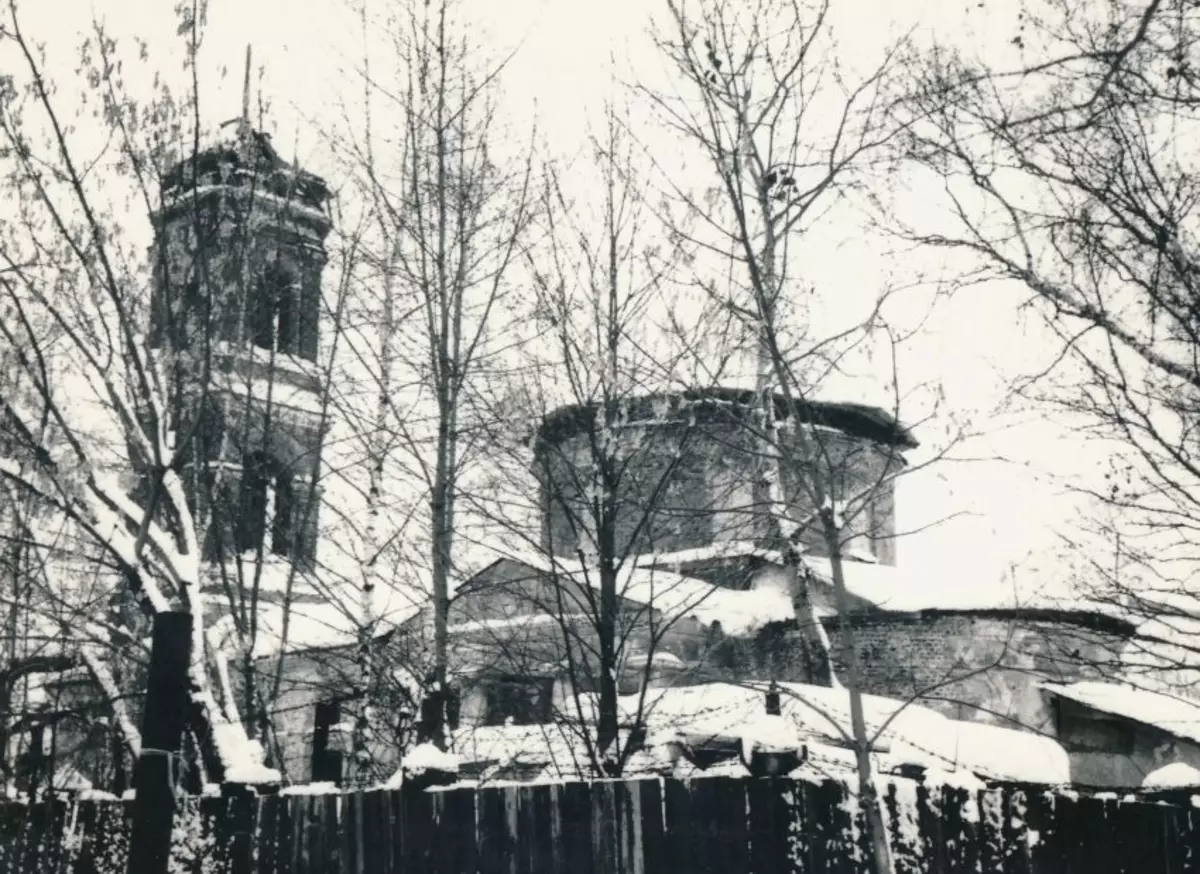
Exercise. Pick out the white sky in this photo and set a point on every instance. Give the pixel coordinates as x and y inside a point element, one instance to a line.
<point>308,50</point>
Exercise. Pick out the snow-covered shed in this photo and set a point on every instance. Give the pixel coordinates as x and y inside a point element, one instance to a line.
<point>1117,733</point>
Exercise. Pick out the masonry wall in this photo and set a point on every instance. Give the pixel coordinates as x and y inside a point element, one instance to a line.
<point>979,665</point>
<point>690,476</point>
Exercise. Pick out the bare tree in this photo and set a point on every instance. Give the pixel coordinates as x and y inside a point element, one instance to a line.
<point>610,472</point>
<point>451,212</point>
<point>1064,171</point>
<point>787,132</point>
<point>114,433</point>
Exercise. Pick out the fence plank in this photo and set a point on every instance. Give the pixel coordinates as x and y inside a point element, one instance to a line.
<point>771,802</point>
<point>267,842</point>
<point>575,826</point>
<point>495,840</point>
<point>647,826</point>
<point>456,845</point>
<point>677,819</point>
<point>654,847</point>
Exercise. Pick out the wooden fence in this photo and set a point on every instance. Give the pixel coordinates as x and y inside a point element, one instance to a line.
<point>725,825</point>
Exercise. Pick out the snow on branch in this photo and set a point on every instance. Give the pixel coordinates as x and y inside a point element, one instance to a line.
<point>104,678</point>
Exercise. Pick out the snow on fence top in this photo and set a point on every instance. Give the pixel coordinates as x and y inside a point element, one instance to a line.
<point>1170,713</point>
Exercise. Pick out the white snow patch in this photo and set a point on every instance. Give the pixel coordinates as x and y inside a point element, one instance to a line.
<point>320,788</point>
<point>96,795</point>
<point>1172,776</point>
<point>241,756</point>
<point>315,626</point>
<point>426,756</point>
<point>673,595</point>
<point>821,714</point>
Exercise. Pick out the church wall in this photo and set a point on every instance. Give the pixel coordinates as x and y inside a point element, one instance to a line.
<point>695,479</point>
<point>982,666</point>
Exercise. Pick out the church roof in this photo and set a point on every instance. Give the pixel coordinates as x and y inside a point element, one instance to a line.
<point>858,420</point>
<point>235,160</point>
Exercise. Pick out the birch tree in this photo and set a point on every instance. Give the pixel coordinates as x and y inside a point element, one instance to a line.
<point>453,208</point>
<point>1064,172</point>
<point>787,132</point>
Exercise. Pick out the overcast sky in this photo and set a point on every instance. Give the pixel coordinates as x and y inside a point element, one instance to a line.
<point>305,56</point>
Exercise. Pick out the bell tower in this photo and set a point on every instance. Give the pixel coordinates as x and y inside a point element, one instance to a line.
<point>235,313</point>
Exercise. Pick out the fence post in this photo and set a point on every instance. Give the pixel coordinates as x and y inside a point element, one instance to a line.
<point>162,734</point>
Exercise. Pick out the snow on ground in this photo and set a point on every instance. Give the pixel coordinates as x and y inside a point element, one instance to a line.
<point>1170,713</point>
<point>1172,776</point>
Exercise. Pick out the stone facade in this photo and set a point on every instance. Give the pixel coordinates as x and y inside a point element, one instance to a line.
<point>238,260</point>
<point>980,665</point>
<point>686,473</point>
<point>1108,751</point>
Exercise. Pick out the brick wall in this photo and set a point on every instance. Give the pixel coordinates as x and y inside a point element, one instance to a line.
<point>685,481</point>
<point>979,665</point>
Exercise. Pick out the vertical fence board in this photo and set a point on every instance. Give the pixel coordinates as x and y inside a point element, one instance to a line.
<point>456,844</point>
<point>1044,852</point>
<point>368,855</point>
<point>720,804</point>
<point>575,824</point>
<point>494,851</point>
<point>267,844</point>
<point>605,850</point>
<point>772,814</point>
<point>654,846</point>
<point>677,822</point>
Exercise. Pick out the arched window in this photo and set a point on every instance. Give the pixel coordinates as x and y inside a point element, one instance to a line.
<point>268,498</point>
<point>251,523</point>
<point>273,315</point>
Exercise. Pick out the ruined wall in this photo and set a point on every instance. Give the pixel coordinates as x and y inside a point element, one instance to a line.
<point>980,665</point>
<point>688,477</point>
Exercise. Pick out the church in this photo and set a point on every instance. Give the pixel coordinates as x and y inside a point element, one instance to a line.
<point>716,629</point>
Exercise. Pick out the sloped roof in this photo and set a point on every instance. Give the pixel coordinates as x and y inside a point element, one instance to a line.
<point>673,595</point>
<point>1169,713</point>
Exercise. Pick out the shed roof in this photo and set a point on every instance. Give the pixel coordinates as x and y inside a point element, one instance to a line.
<point>1169,713</point>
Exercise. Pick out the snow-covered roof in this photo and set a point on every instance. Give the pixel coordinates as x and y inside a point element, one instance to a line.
<point>908,590</point>
<point>822,714</point>
<point>674,595</point>
<point>316,625</point>
<point>887,587</point>
<point>1170,713</point>
<point>818,717</point>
